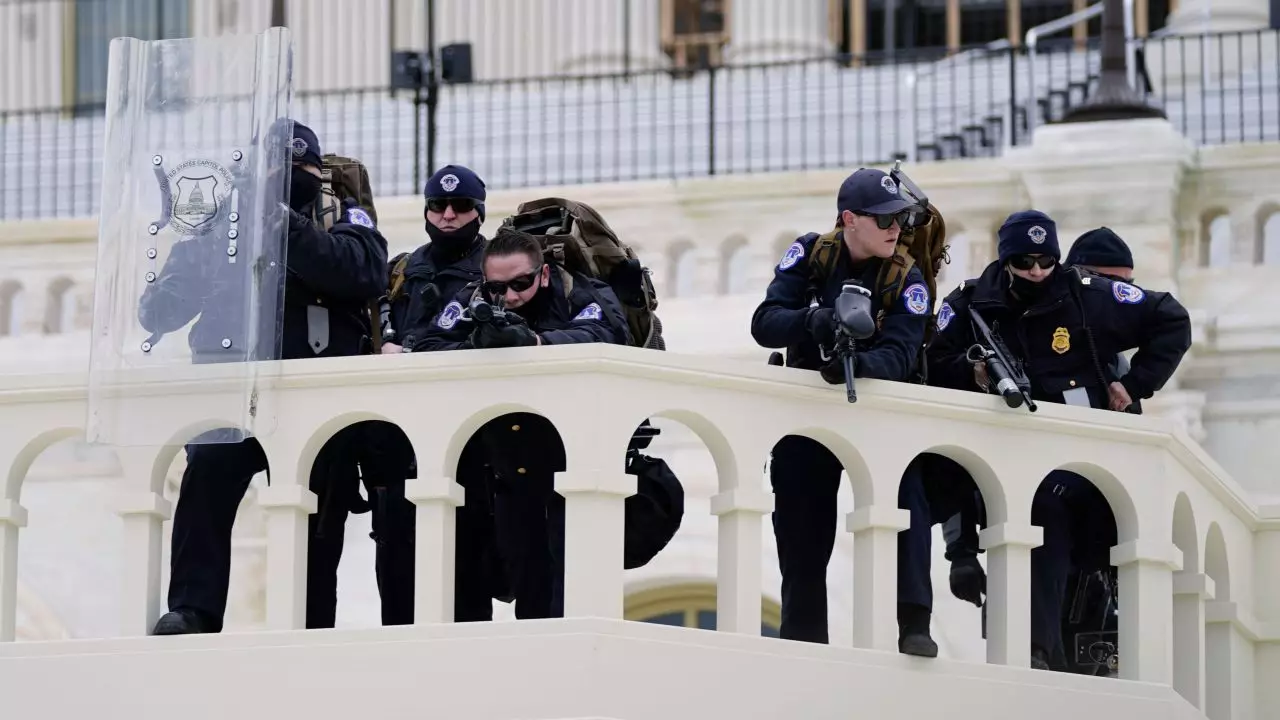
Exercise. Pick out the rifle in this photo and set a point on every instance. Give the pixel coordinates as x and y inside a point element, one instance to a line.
<point>1010,378</point>
<point>853,322</point>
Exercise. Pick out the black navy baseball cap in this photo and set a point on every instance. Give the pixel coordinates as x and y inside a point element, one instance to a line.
<point>870,192</point>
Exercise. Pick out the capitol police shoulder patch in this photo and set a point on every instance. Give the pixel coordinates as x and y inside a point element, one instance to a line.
<point>916,298</point>
<point>590,312</point>
<point>1127,294</point>
<point>356,216</point>
<point>450,315</point>
<point>792,256</point>
<point>945,315</point>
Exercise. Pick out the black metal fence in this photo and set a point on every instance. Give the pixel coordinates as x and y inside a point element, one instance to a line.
<point>624,114</point>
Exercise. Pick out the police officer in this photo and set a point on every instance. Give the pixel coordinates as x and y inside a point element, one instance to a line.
<point>797,314</point>
<point>1059,323</point>
<point>532,307</point>
<point>454,210</point>
<point>331,278</point>
<point>1102,252</point>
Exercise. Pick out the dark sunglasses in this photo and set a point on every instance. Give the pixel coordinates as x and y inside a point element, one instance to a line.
<point>1026,262</point>
<point>460,205</point>
<point>884,222</point>
<point>519,283</point>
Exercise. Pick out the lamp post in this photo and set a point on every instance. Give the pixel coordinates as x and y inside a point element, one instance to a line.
<point>1114,98</point>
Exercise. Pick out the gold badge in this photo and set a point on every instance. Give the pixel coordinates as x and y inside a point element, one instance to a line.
<point>1061,341</point>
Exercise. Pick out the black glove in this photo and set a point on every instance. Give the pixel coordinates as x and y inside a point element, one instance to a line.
<point>968,581</point>
<point>516,334</point>
<point>821,324</point>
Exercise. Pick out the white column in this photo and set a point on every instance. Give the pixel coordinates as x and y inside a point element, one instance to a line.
<point>143,514</point>
<point>594,505</point>
<point>875,531</point>
<point>13,517</point>
<point>287,506</point>
<point>1146,615</point>
<point>739,581</point>
<point>770,31</point>
<point>437,501</point>
<point>1009,549</point>
<point>1190,591</point>
<point>1194,17</point>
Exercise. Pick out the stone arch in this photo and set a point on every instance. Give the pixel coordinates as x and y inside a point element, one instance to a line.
<point>712,437</point>
<point>993,493</point>
<point>733,261</point>
<point>321,434</point>
<point>17,472</point>
<point>60,306</point>
<point>1216,563</point>
<point>1215,246</point>
<point>177,443</point>
<point>1184,533</point>
<point>468,427</point>
<point>681,274</point>
<point>855,466</point>
<point>1117,495</point>
<point>10,308</point>
<point>1266,249</point>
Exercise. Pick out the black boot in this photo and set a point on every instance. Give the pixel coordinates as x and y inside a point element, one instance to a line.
<point>1039,658</point>
<point>183,621</point>
<point>913,631</point>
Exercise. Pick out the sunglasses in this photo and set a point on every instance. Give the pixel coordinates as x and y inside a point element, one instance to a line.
<point>1026,262</point>
<point>519,283</point>
<point>884,222</point>
<point>460,205</point>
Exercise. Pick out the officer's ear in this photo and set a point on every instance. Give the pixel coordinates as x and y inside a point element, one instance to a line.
<point>545,278</point>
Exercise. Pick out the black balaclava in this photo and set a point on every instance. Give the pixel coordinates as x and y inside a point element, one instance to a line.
<point>455,181</point>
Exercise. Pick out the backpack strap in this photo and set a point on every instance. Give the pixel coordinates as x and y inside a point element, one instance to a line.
<point>825,254</point>
<point>395,281</point>
<point>894,271</point>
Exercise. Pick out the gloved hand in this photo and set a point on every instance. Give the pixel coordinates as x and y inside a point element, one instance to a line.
<point>821,324</point>
<point>968,580</point>
<point>515,334</point>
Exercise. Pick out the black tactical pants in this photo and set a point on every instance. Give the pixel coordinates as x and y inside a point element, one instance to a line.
<point>933,489</point>
<point>805,477</point>
<point>213,485</point>
<point>1079,530</point>
<point>385,461</point>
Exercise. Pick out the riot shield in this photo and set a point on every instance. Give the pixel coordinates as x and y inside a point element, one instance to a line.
<point>189,289</point>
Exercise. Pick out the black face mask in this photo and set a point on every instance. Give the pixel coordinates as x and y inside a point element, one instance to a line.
<point>452,243</point>
<point>1028,291</point>
<point>304,188</point>
<point>533,310</point>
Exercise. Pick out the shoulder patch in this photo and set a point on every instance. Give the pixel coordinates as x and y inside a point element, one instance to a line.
<point>916,298</point>
<point>449,316</point>
<point>1127,294</point>
<point>590,312</point>
<point>356,216</point>
<point>791,256</point>
<point>945,316</point>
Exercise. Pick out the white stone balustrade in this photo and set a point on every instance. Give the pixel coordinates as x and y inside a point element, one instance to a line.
<point>1172,503</point>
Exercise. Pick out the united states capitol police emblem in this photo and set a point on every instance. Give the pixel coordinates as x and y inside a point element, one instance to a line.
<point>1127,294</point>
<point>1061,341</point>
<point>916,298</point>
<point>887,183</point>
<point>449,182</point>
<point>945,315</point>
<point>791,256</point>
<point>1037,235</point>
<point>590,312</point>
<point>196,189</point>
<point>450,315</point>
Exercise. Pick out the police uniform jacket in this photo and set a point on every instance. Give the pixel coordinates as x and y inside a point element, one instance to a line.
<point>589,312</point>
<point>1051,339</point>
<point>330,279</point>
<point>780,321</point>
<point>429,282</point>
